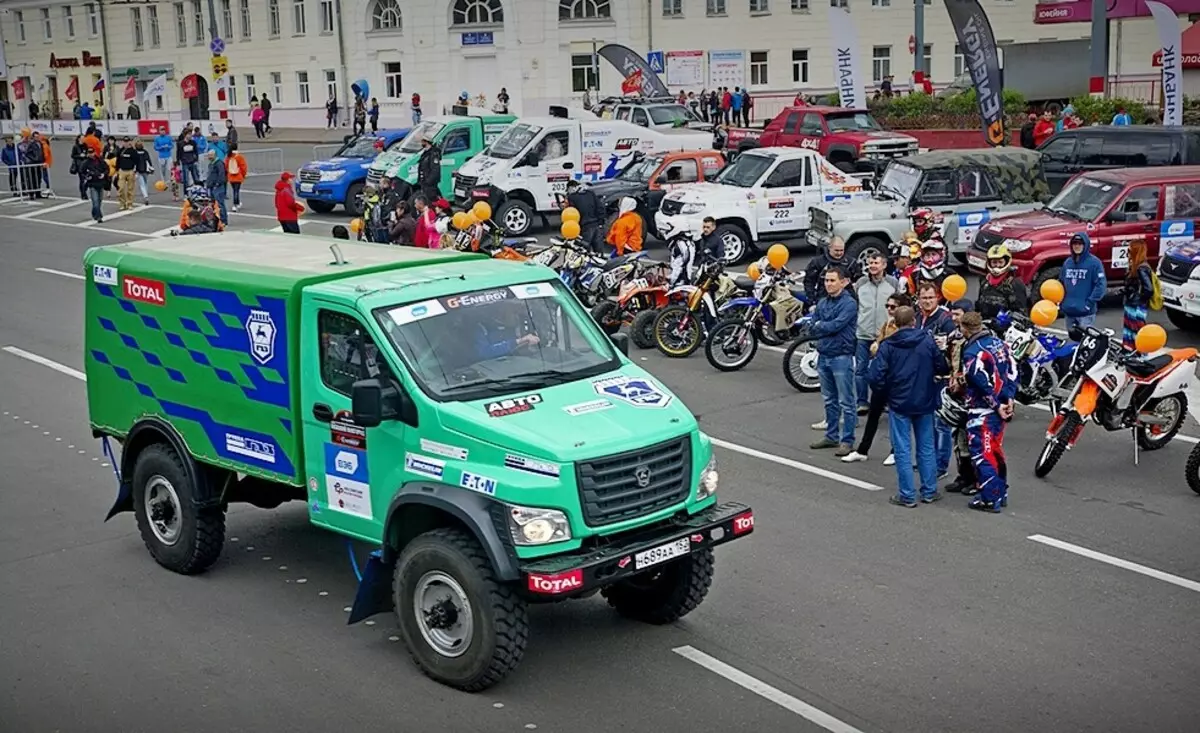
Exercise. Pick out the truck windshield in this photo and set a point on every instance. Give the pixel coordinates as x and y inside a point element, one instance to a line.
<point>745,170</point>
<point>670,114</point>
<point>851,121</point>
<point>899,181</point>
<point>513,141</point>
<point>1084,198</point>
<point>496,341</point>
<point>427,129</point>
<point>362,146</point>
<point>640,171</point>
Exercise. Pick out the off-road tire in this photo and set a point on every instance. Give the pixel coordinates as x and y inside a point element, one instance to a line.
<point>711,345</point>
<point>1164,438</point>
<point>354,199</point>
<point>747,246</point>
<point>605,315</point>
<point>500,616</point>
<point>321,207</point>
<point>1192,470</point>
<point>641,331</point>
<point>499,216</point>
<point>695,328</point>
<point>202,531</point>
<point>790,376</point>
<point>1056,446</point>
<point>664,595</point>
<point>859,246</point>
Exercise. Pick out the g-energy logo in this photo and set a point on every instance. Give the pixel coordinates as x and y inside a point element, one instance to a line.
<point>978,61</point>
<point>469,300</point>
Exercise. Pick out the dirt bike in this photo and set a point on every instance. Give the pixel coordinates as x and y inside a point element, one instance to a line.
<point>576,265</point>
<point>776,306</point>
<point>495,244</point>
<point>681,327</point>
<point>1043,360</point>
<point>636,306</point>
<point>1120,390</point>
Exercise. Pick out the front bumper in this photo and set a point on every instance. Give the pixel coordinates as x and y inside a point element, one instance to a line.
<point>576,573</point>
<point>678,222</point>
<point>321,192</point>
<point>1184,297</point>
<point>817,239</point>
<point>467,196</point>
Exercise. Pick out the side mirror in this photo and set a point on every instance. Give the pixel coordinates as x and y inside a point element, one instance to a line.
<point>366,403</point>
<point>621,341</point>
<point>1116,216</point>
<point>529,161</point>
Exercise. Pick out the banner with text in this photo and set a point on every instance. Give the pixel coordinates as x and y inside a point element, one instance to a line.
<point>847,59</point>
<point>1170,37</point>
<point>978,43</point>
<point>634,68</point>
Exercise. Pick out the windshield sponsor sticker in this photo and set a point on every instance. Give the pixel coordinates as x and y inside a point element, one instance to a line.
<point>104,275</point>
<point>416,312</point>
<point>512,405</point>
<point>476,299</point>
<point>424,465</point>
<point>142,290</point>
<point>442,449</point>
<point>584,408</point>
<point>261,330</point>
<point>531,465</point>
<point>475,482</point>
<point>636,391</point>
<point>533,290</point>
<point>250,448</point>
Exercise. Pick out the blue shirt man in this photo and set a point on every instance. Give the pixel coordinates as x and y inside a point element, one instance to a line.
<point>835,321</point>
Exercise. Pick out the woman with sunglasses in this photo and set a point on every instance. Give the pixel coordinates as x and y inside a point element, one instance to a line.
<point>878,397</point>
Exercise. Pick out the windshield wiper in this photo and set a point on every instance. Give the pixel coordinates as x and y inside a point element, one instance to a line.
<point>476,383</point>
<point>547,375</point>
<point>1065,212</point>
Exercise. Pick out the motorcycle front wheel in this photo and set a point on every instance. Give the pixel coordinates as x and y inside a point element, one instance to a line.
<point>677,332</point>
<point>1192,470</point>
<point>1056,445</point>
<point>607,315</point>
<point>731,345</point>
<point>800,366</point>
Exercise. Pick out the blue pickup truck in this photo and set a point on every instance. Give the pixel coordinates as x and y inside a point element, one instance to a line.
<point>323,184</point>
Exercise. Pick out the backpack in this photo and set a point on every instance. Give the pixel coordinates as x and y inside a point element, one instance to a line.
<point>1156,296</point>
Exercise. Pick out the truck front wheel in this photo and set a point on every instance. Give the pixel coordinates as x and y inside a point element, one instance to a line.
<point>179,535</point>
<point>735,242</point>
<point>666,594</point>
<point>515,216</point>
<point>462,627</point>
<point>354,199</point>
<point>321,207</point>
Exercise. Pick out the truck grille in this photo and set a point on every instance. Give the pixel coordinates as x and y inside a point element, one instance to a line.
<point>821,223</point>
<point>636,483</point>
<point>373,177</point>
<point>986,240</point>
<point>884,151</point>
<point>1175,271</point>
<point>309,176</point>
<point>462,188</point>
<point>670,208</point>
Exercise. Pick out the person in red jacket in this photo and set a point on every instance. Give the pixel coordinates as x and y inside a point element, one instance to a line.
<point>287,209</point>
<point>1043,129</point>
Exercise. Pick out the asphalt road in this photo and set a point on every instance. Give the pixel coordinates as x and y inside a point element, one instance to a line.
<point>841,613</point>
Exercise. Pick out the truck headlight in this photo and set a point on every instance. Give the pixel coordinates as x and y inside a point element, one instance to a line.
<point>1195,274</point>
<point>332,175</point>
<point>1018,245</point>
<point>708,480</point>
<point>691,208</point>
<point>536,526</point>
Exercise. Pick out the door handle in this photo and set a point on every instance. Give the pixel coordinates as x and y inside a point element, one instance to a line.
<point>323,412</point>
<point>568,165</point>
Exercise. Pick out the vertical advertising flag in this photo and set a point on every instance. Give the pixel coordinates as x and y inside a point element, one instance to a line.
<point>157,87</point>
<point>18,89</point>
<point>72,92</point>
<point>978,43</point>
<point>847,59</point>
<point>630,64</point>
<point>1171,39</point>
<point>131,89</point>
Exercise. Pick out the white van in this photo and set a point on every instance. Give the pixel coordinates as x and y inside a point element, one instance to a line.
<point>525,171</point>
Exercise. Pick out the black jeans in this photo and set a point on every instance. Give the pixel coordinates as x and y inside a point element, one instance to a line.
<point>290,227</point>
<point>874,412</point>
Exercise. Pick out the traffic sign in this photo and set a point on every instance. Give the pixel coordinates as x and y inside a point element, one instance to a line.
<point>217,46</point>
<point>655,59</point>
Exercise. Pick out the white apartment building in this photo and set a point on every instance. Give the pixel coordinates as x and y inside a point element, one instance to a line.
<point>299,52</point>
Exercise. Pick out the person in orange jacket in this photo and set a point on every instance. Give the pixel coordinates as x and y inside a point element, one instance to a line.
<point>626,232</point>
<point>236,170</point>
<point>48,157</point>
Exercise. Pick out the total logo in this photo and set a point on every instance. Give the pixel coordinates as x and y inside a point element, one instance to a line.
<point>557,583</point>
<point>743,523</point>
<point>142,290</point>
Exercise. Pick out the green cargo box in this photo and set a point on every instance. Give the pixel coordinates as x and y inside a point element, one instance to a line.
<point>162,330</point>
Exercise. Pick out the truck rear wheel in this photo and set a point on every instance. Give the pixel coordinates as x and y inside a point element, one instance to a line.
<point>462,627</point>
<point>179,536</point>
<point>667,593</point>
<point>515,216</point>
<point>863,247</point>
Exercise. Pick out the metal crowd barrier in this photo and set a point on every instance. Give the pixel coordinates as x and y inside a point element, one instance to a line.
<point>323,152</point>
<point>26,180</point>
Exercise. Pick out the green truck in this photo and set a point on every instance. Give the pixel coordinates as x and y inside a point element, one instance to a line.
<point>461,414</point>
<point>460,137</point>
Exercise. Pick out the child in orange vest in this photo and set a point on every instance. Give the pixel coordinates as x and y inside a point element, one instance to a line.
<point>235,167</point>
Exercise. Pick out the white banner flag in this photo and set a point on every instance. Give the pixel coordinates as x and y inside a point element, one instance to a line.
<point>1170,36</point>
<point>847,69</point>
<point>156,87</point>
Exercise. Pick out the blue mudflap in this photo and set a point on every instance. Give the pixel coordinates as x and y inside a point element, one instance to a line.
<point>374,588</point>
<point>124,502</point>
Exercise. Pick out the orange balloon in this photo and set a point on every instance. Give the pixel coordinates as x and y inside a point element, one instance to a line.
<point>753,272</point>
<point>778,256</point>
<point>1150,338</point>
<point>570,214</point>
<point>471,219</point>
<point>954,287</point>
<point>482,210</point>
<point>160,185</point>
<point>1044,313</point>
<point>460,220</point>
<point>1052,290</point>
<point>570,229</point>
<point>356,225</point>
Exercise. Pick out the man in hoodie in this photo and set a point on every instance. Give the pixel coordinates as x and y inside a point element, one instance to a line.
<point>287,210</point>
<point>873,291</point>
<point>164,146</point>
<point>127,162</point>
<point>834,325</point>
<point>906,367</point>
<point>833,256</point>
<point>626,232</point>
<point>1084,282</point>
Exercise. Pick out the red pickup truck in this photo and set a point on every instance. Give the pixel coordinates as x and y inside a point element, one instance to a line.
<point>850,138</point>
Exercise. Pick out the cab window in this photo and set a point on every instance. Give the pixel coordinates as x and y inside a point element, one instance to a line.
<point>808,171</point>
<point>554,145</point>
<point>344,344</point>
<point>1059,149</point>
<point>937,187</point>
<point>456,141</point>
<point>622,113</point>
<point>792,125</point>
<point>1140,204</point>
<point>1139,151</point>
<point>640,118</point>
<point>681,171</point>
<point>811,125</point>
<point>976,185</point>
<point>786,174</point>
<point>1183,201</point>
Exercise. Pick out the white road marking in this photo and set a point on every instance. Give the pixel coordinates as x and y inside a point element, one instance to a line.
<point>1117,562</point>
<point>95,228</point>
<point>60,368</point>
<point>765,691</point>
<point>60,273</point>
<point>115,215</point>
<point>162,232</point>
<point>232,214</point>
<point>57,207</point>
<point>814,470</point>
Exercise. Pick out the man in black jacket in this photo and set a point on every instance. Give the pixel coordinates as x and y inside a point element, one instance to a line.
<point>429,170</point>
<point>187,155</point>
<point>833,256</point>
<point>711,247</point>
<point>94,173</point>
<point>591,214</point>
<point>1027,140</point>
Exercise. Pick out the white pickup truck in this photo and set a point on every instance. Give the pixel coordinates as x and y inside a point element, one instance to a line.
<point>765,194</point>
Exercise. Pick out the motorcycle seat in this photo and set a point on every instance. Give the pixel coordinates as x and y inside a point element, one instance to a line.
<point>618,261</point>
<point>1142,367</point>
<point>743,282</point>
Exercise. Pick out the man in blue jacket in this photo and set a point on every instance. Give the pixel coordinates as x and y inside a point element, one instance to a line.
<point>1084,282</point>
<point>164,148</point>
<point>906,367</point>
<point>834,324</point>
<point>939,322</point>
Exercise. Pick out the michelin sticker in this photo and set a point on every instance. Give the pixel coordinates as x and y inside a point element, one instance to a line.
<point>584,408</point>
<point>530,465</point>
<point>104,275</point>
<point>261,330</point>
<point>475,482</point>
<point>416,312</point>
<point>347,482</point>
<point>533,290</point>
<point>250,448</point>
<point>441,449</point>
<point>424,465</point>
<point>636,391</point>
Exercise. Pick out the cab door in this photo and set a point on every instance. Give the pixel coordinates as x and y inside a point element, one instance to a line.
<point>782,208</point>
<point>352,472</point>
<point>457,146</point>
<point>1135,215</point>
<point>789,135</point>
<point>1059,161</point>
<point>556,153</point>
<point>812,130</point>
<point>978,202</point>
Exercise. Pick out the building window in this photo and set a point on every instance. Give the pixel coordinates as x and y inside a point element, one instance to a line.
<point>331,83</point>
<point>198,23</point>
<point>385,16</point>
<point>327,16</point>
<point>583,73</point>
<point>927,61</point>
<point>758,68</point>
<point>800,66</point>
<point>584,10</point>
<point>19,16</point>
<point>881,3</point>
<point>180,25</point>
<point>231,90</point>
<point>302,86</point>
<point>277,86</point>
<point>244,11</point>
<point>799,6</point>
<point>93,18</point>
<point>227,19</point>
<point>478,12</point>
<point>960,64</point>
<point>251,92</point>
<point>47,25</point>
<point>881,63</point>
<point>760,6</point>
<point>838,3</point>
<point>392,86</point>
<point>152,18</point>
<point>716,7</point>
<point>299,27</point>
<point>273,18</point>
<point>672,8</point>
<point>69,21</point>
<point>136,15</point>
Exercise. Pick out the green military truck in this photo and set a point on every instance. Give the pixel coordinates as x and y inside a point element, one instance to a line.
<point>462,414</point>
<point>460,137</point>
